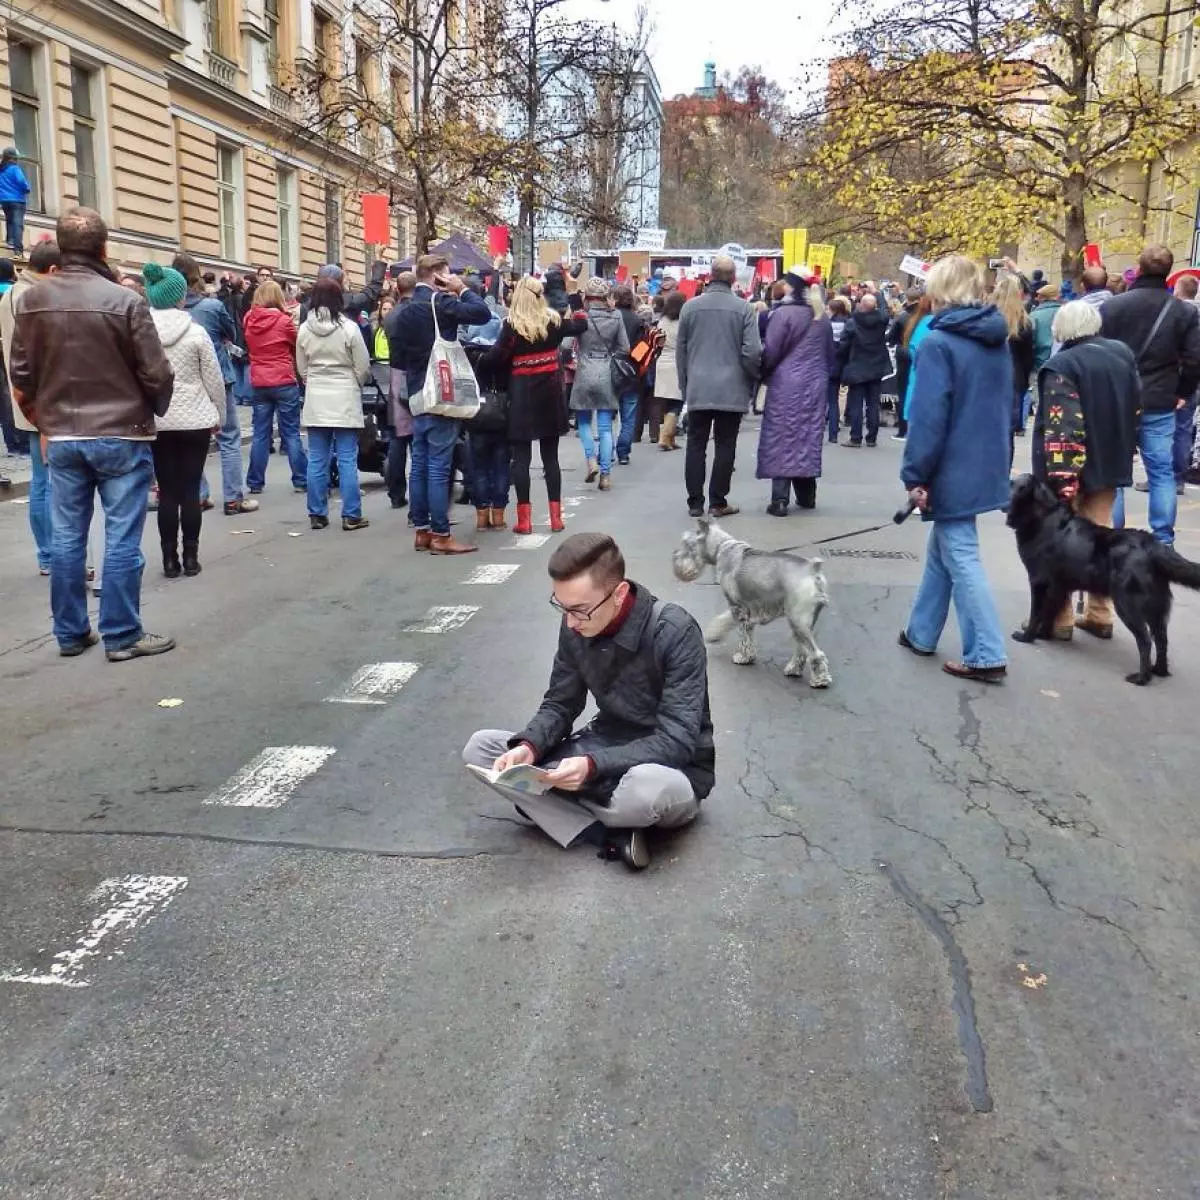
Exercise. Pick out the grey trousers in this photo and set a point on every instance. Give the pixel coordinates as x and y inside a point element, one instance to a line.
<point>646,795</point>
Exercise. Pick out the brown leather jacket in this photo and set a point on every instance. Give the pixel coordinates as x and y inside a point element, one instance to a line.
<point>86,359</point>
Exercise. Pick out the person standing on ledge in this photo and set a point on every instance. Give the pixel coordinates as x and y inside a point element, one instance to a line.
<point>648,757</point>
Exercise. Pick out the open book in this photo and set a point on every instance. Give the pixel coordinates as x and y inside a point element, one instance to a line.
<point>525,780</point>
<point>528,789</point>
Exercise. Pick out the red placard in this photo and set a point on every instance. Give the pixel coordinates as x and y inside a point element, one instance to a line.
<point>1091,255</point>
<point>766,270</point>
<point>622,274</point>
<point>376,210</point>
<point>688,287</point>
<point>497,240</point>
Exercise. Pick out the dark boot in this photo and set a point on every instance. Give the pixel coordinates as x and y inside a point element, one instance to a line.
<point>171,567</point>
<point>191,563</point>
<point>806,492</point>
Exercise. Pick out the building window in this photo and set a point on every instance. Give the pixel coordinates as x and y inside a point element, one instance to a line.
<point>362,67</point>
<point>214,26</point>
<point>229,199</point>
<point>1183,52</point>
<point>333,224</point>
<point>289,224</point>
<point>83,91</point>
<point>27,117</point>
<point>271,17</point>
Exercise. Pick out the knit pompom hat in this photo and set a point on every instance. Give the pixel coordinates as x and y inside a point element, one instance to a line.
<point>597,288</point>
<point>165,287</point>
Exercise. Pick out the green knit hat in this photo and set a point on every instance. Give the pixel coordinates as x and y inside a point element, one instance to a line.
<point>165,287</point>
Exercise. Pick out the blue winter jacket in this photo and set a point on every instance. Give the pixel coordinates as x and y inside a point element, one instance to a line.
<point>213,317</point>
<point>960,418</point>
<point>14,187</point>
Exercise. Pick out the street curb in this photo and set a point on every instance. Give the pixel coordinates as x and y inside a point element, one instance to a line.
<point>21,487</point>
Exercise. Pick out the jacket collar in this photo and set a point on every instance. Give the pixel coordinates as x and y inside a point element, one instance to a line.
<point>629,636</point>
<point>718,285</point>
<point>1156,283</point>
<point>77,264</point>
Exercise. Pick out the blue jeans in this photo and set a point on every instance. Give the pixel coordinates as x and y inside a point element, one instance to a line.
<point>121,472</point>
<point>832,412</point>
<point>604,422</point>
<point>432,461</point>
<point>1185,435</point>
<point>14,224</point>
<point>629,407</point>
<point>343,443</point>
<point>489,470</point>
<point>229,439</point>
<point>953,571</point>
<point>286,401</point>
<point>242,391</point>
<point>1156,441</point>
<point>39,504</point>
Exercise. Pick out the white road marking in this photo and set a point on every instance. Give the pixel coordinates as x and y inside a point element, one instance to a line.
<point>492,573</point>
<point>529,541</point>
<point>376,683</point>
<point>20,500</point>
<point>269,779</point>
<point>443,618</point>
<point>134,899</point>
<point>575,501</point>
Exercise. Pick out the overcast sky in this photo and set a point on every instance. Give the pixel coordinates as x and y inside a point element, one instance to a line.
<point>770,34</point>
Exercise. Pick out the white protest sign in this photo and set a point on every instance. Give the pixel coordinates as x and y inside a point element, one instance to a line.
<point>651,239</point>
<point>914,266</point>
<point>735,251</point>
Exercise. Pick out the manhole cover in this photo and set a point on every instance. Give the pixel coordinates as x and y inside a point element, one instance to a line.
<point>903,555</point>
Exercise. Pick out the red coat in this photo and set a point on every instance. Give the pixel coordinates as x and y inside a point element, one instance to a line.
<point>271,343</point>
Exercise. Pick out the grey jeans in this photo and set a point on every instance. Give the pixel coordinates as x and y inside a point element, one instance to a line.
<point>648,794</point>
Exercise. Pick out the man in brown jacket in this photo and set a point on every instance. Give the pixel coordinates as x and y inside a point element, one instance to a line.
<point>89,372</point>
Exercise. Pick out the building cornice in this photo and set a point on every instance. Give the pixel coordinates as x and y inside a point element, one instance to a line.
<point>115,16</point>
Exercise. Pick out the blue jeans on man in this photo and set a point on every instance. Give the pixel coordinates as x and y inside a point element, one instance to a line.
<point>1185,436</point>
<point>287,403</point>
<point>953,571</point>
<point>433,444</point>
<point>121,472</point>
<point>628,407</point>
<point>1156,442</point>
<point>40,524</point>
<point>229,440</point>
<point>14,224</point>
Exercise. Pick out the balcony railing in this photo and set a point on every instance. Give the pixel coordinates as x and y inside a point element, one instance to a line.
<point>281,101</point>
<point>221,70</point>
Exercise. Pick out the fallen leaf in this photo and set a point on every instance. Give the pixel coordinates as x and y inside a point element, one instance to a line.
<point>1052,694</point>
<point>170,702</point>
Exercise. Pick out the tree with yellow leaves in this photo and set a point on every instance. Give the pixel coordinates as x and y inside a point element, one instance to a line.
<point>962,124</point>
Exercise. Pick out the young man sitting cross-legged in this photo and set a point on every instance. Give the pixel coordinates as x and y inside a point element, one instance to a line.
<point>648,757</point>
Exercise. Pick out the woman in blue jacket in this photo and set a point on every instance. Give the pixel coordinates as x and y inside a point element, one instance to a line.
<point>14,193</point>
<point>956,463</point>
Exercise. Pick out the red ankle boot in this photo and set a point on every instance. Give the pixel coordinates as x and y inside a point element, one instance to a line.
<point>556,521</point>
<point>524,519</point>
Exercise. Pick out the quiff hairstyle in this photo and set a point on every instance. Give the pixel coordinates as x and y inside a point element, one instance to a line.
<point>595,553</point>
<point>954,280</point>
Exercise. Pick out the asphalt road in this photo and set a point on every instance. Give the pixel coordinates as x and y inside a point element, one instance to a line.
<point>928,939</point>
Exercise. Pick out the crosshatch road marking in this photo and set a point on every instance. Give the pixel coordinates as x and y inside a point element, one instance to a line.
<point>376,683</point>
<point>492,573</point>
<point>442,618</point>
<point>269,780</point>
<point>132,901</point>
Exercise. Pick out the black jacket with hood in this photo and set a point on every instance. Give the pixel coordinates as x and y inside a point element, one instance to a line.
<point>863,351</point>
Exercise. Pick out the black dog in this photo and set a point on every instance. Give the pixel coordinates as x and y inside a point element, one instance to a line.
<point>1065,553</point>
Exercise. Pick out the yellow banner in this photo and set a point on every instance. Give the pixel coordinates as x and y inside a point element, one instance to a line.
<point>795,247</point>
<point>821,254</point>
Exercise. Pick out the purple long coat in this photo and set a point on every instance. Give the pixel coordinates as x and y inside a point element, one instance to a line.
<point>798,356</point>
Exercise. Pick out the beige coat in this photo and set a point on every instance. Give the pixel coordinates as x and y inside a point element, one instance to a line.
<point>332,359</point>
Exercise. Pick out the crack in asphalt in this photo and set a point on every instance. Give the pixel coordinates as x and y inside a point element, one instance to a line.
<point>963,1002</point>
<point>451,852</point>
<point>952,908</point>
<point>1017,843</point>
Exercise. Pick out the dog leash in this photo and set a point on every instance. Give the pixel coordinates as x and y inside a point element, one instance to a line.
<point>898,518</point>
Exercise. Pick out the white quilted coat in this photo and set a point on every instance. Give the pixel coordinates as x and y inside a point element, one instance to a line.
<point>198,401</point>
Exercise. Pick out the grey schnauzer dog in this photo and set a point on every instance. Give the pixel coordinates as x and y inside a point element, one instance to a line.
<point>761,586</point>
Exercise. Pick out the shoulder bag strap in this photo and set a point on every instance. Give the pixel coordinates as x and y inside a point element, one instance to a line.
<point>1162,316</point>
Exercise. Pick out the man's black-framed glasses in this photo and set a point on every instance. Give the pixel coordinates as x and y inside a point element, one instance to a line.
<point>583,614</point>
